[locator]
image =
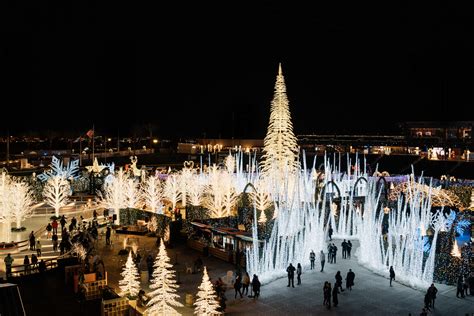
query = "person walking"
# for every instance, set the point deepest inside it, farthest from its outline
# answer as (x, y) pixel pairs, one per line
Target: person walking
(8, 265)
(349, 248)
(460, 287)
(299, 270)
(74, 222)
(330, 231)
(149, 265)
(26, 263)
(62, 221)
(49, 228)
(32, 240)
(335, 292)
(432, 291)
(330, 253)
(470, 280)
(312, 258)
(338, 283)
(427, 301)
(325, 297)
(322, 257)
(34, 261)
(38, 248)
(108, 232)
(245, 284)
(392, 275)
(344, 249)
(55, 242)
(291, 275)
(327, 294)
(55, 226)
(255, 286)
(334, 253)
(238, 286)
(350, 280)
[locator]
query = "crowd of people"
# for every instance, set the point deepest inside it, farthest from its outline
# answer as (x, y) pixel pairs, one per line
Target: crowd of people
(241, 285)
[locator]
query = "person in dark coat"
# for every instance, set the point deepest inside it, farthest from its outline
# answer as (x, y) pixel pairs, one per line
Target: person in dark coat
(32, 241)
(335, 301)
(327, 294)
(299, 271)
(427, 301)
(291, 275)
(26, 263)
(255, 286)
(344, 249)
(73, 222)
(338, 283)
(34, 261)
(460, 289)
(470, 281)
(312, 258)
(349, 248)
(334, 253)
(149, 265)
(49, 228)
(432, 291)
(330, 233)
(62, 221)
(238, 286)
(350, 279)
(108, 232)
(392, 275)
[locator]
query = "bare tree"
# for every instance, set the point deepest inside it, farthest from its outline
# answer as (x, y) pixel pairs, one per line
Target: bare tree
(56, 192)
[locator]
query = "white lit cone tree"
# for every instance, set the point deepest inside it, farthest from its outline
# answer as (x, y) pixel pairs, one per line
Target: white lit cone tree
(164, 286)
(280, 145)
(152, 194)
(56, 192)
(206, 301)
(129, 284)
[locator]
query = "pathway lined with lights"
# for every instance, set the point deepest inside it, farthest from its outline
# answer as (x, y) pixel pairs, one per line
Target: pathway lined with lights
(371, 294)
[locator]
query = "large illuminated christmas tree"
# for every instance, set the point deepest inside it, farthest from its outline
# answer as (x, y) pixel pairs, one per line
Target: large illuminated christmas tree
(164, 286)
(280, 146)
(130, 284)
(206, 302)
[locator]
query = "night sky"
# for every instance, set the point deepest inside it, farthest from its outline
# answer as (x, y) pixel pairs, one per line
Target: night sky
(208, 68)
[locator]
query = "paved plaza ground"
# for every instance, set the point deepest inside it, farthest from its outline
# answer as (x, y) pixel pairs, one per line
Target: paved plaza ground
(371, 294)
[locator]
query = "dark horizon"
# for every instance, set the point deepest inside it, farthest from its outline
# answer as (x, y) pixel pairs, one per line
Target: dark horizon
(208, 69)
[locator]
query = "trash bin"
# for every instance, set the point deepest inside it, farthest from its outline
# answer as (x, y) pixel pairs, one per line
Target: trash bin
(189, 299)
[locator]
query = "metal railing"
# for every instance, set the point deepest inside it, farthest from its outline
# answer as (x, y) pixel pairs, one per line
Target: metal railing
(26, 269)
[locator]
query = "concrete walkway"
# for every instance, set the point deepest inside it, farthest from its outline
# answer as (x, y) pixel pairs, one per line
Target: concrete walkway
(371, 295)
